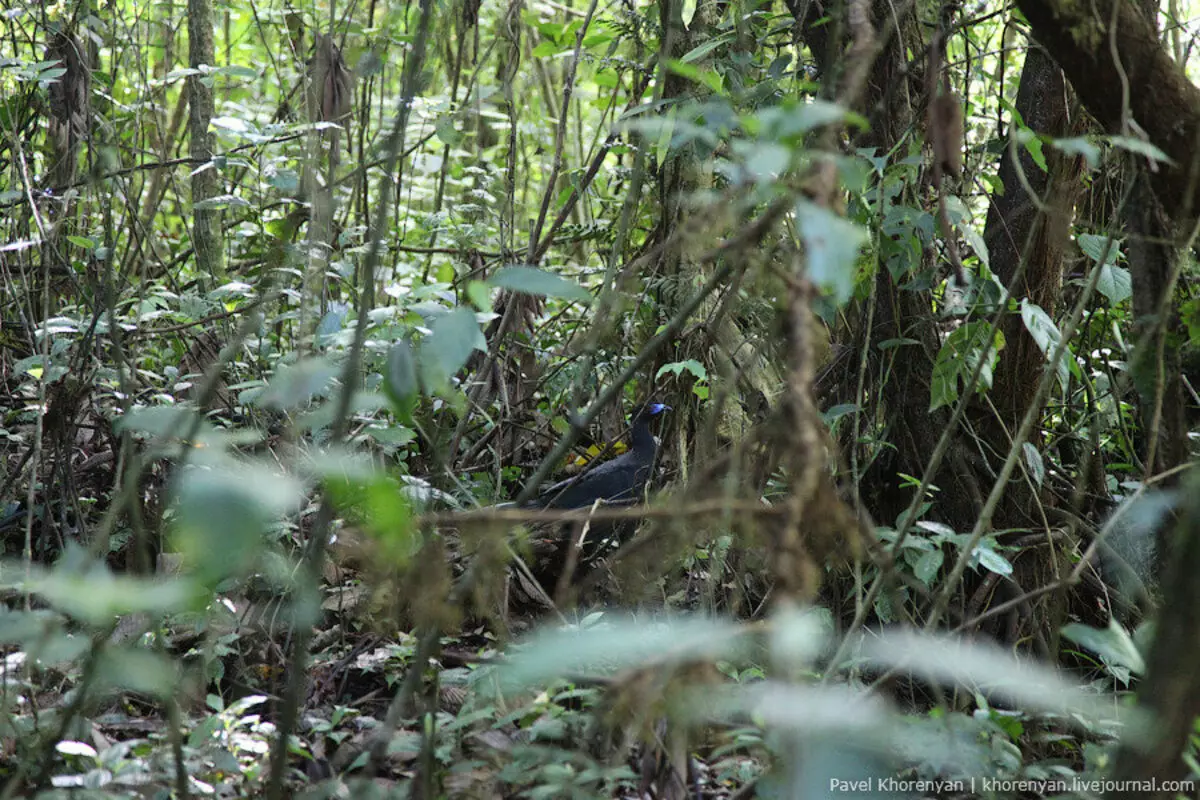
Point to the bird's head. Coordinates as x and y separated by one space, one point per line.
648 411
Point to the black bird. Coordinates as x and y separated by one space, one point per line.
621 480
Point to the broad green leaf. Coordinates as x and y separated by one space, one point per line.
1034 146
1115 283
295 385
386 512
1034 463
937 528
928 565
703 49
451 340
72 748
831 244
992 561
835 413
678 367
137 670
222 515
1046 336
765 161
1140 147
956 361
974 239
332 323
949 661
617 643
707 78
85 589
157 421
1080 146
530 280
1099 247
1113 644
793 119
400 380
799 636
480 295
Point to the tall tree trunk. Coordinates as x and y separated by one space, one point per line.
207 240
1016 230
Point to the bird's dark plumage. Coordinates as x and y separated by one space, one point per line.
621 480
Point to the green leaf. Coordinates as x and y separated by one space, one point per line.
1034 463
607 78
928 565
480 295
137 670
1099 247
835 413
531 280
889 344
400 379
447 129
87 591
1080 146
678 367
156 421
703 49
386 512
792 119
956 662
222 515
1046 336
1033 145
1115 283
957 358
295 385
452 339
706 78
617 643
831 244
1140 147
936 528
973 239
992 561
1113 644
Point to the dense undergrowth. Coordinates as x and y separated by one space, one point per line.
291 307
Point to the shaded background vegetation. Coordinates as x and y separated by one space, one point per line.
296 294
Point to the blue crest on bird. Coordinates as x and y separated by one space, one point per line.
657 408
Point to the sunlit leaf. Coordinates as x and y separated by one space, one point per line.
1113 643
946 660
1140 147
